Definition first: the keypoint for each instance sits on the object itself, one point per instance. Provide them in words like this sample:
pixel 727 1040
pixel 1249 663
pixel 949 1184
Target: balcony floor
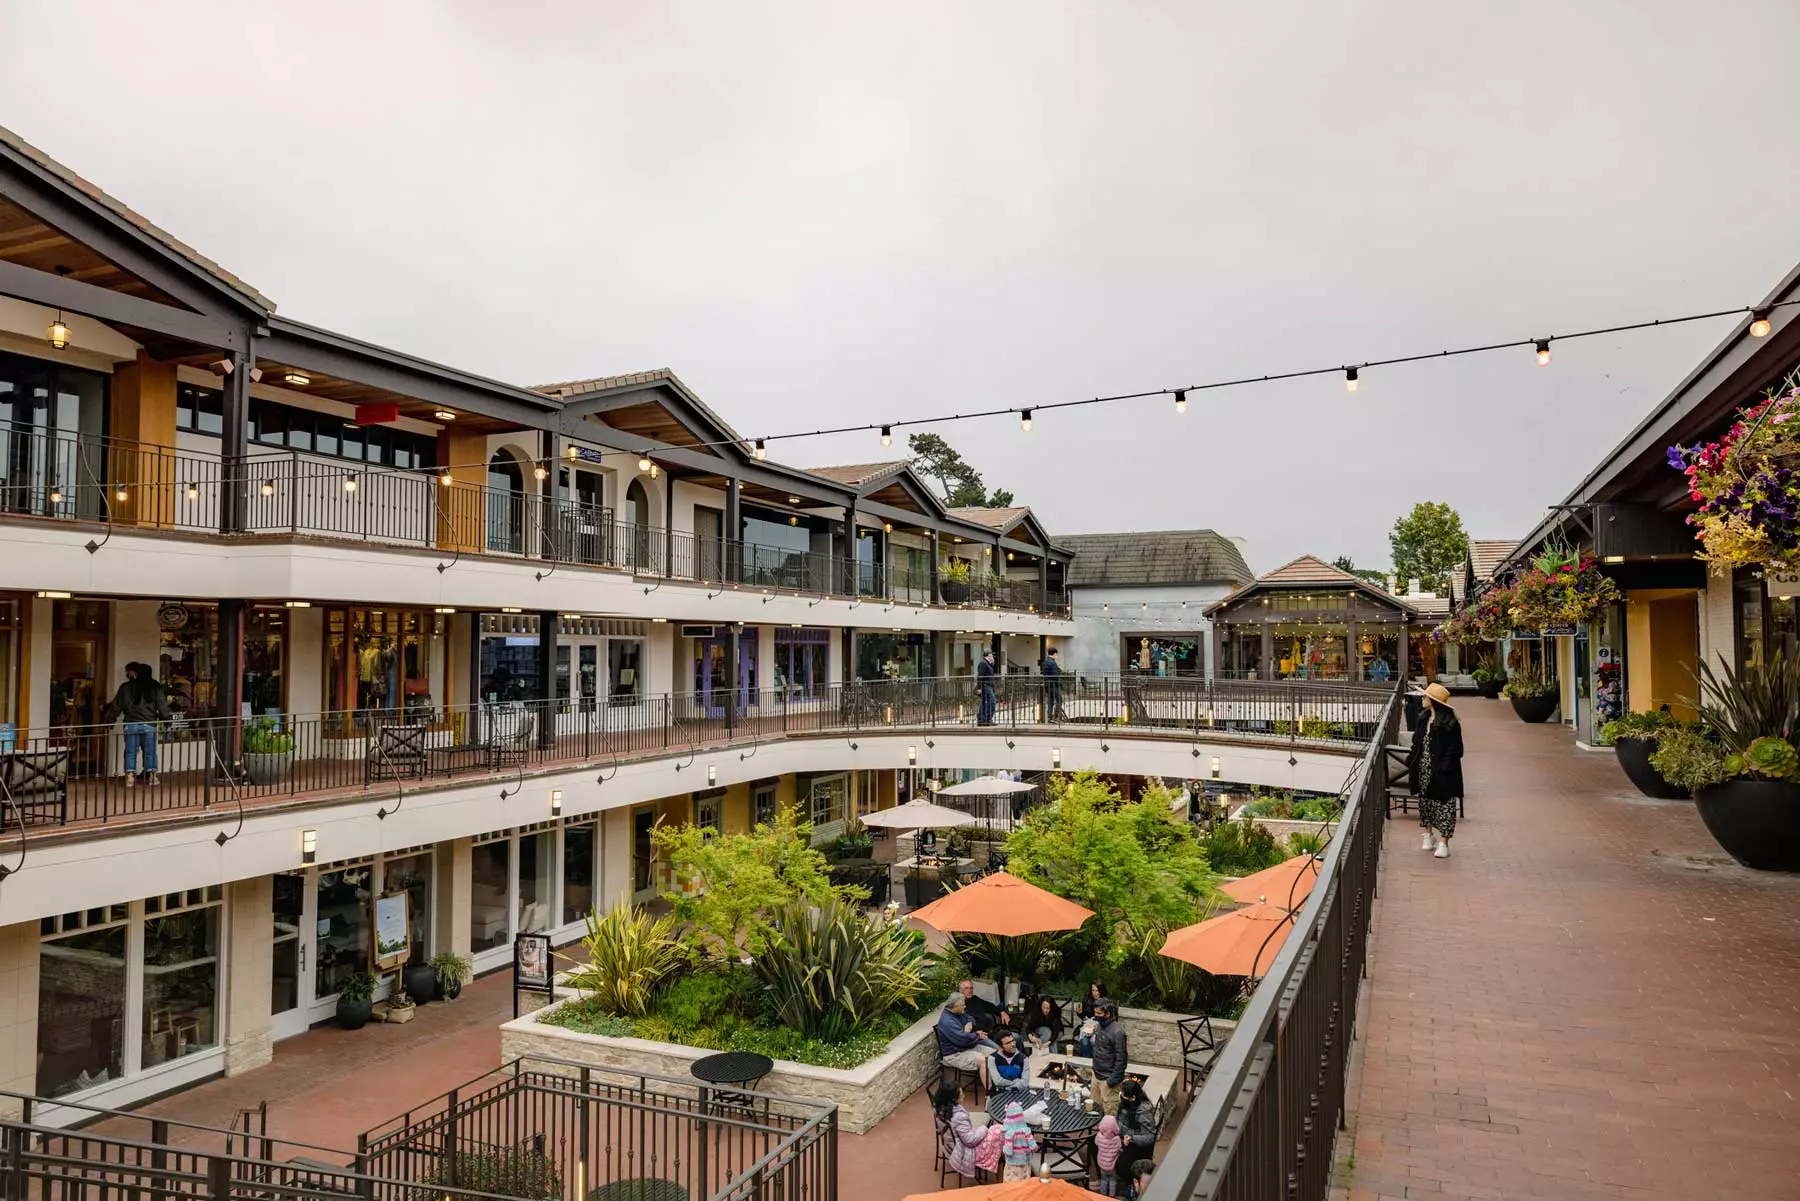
pixel 1588 999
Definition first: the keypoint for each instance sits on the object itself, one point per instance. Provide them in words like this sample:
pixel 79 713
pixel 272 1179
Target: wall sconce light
pixel 59 331
pixel 912 756
pixel 309 846
pixel 712 774
pixel 556 802
pixel 1055 758
pixel 1215 767
pixel 298 604
pixel 443 609
pixel 350 482
pixel 268 487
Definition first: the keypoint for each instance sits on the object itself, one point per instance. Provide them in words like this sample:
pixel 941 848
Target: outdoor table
pixel 1067 1143
pixel 446 759
pixel 642 1188
pixel 742 1069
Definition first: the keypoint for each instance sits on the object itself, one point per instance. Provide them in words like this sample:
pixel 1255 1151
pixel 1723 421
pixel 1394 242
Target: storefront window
pixel 265 635
pixel 284 970
pixel 81 1001
pixel 828 796
pixel 1310 652
pixel 802 663
pixel 536 868
pixel 181 975
pixel 578 872
pixel 762 805
pixel 490 871
pixel 412 876
pixel 1749 597
pixel 343 927
pixel 624 662
pixel 188 642
pixel 9 671
pixel 1380 649
pixel 1784 626
pixel 1154 655
pixel 893 656
pixel 380 662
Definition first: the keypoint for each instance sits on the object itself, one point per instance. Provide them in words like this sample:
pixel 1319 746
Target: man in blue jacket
pixel 960 1045
pixel 1053 710
pixel 984 679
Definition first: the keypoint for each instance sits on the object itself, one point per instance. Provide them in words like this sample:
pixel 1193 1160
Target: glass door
pixel 290 973
pixel 587 675
pixel 341 924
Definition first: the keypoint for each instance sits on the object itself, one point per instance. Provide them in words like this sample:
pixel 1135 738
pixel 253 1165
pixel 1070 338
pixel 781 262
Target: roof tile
pixel 1156 557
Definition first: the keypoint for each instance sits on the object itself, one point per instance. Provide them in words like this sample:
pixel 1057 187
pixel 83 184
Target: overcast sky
pixel 831 212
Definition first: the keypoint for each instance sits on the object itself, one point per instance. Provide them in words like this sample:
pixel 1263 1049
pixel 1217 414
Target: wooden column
pixel 142 425
pixel 462 506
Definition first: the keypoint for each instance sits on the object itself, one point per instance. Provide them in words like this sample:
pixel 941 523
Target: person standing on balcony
pixel 1053 709
pixel 141 702
pixel 1440 770
pixel 984 680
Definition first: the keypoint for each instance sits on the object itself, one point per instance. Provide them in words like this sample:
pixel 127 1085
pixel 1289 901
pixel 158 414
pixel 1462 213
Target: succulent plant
pixel 1772 757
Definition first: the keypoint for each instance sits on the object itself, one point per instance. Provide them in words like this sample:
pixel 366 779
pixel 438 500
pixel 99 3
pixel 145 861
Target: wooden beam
pixel 117 308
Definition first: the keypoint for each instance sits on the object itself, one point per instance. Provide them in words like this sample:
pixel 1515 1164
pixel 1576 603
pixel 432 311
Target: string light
pixel 1543 352
pixel 541 472
pixel 268 487
pixel 1025 421
pixel 444 478
pixel 762 451
pixel 120 494
pixel 350 482
pixel 56 496
pixel 887 435
pixel 1349 379
pixel 644 463
pixel 193 492
pixel 1759 323
pixel 1180 400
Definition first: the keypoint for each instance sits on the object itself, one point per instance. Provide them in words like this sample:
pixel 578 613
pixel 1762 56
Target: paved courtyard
pixel 1587 1000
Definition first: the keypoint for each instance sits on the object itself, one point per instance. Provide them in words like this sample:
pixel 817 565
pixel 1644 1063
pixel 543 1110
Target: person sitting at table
pixel 1087 1013
pixel 959 1045
pixel 956 1129
pixel 1045 1021
pixel 984 1013
pixel 1008 1063
pixel 1137 1127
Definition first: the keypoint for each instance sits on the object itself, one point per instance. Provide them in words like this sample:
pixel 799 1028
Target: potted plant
pixel 1746 485
pixel 1742 763
pixel 355 1005
pixel 953 580
pixel 1489 675
pixel 268 753
pixel 1533 694
pixel 420 981
pixel 452 971
pixel 1634 738
pixel 1560 587
pixel 399 1007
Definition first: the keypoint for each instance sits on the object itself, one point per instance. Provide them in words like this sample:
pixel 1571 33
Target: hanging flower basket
pixel 1747 485
pixel 1560 588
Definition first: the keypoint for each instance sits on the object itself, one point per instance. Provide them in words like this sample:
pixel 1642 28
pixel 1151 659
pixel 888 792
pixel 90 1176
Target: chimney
pixel 1393 584
pixel 1412 587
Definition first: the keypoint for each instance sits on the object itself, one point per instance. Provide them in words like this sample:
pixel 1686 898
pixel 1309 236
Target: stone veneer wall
pixel 863 1095
pixel 1153 1038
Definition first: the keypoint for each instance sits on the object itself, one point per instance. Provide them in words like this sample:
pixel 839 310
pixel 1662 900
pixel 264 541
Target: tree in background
pixel 961 484
pixel 1374 576
pixel 1428 543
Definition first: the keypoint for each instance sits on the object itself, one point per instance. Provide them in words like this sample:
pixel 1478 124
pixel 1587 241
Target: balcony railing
pixel 74 477
pixel 76 774
pixel 1264 1122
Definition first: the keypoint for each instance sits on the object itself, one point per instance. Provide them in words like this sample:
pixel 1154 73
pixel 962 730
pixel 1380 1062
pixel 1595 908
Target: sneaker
pixel 130 780
pixel 1443 849
pixel 150 779
pixel 1426 843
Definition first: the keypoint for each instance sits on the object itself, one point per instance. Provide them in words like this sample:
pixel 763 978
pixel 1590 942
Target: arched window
pixel 506 504
pixel 637 515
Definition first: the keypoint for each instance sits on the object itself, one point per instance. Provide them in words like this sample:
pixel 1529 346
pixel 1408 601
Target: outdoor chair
pixel 1199 1050
pixel 509 748
pixel 948 1073
pixel 38 784
pixel 398 752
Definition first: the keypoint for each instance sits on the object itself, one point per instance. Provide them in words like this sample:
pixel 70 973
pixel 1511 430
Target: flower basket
pixel 1560 588
pixel 1747 485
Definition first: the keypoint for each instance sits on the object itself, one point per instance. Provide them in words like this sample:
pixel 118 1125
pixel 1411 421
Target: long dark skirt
pixel 1439 815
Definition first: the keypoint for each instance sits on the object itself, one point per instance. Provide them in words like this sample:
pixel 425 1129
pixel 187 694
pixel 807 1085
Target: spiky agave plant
pixel 1760 701
pixel 629 955
pixel 830 971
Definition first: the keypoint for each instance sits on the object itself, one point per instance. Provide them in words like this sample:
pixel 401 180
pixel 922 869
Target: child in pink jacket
pixel 987 1153
pixel 1107 1144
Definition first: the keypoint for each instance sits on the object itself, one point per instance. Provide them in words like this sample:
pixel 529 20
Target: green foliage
pixel 1687 757
pixel 1762 700
pixel 953 570
pixel 629 955
pixel 1284 806
pixel 1489 670
pixel 1239 848
pixel 1529 682
pixel 697 999
pixel 1313 726
pixel 451 969
pixel 1372 575
pixel 1651 724
pixel 522 1172
pixel 358 987
pixel 1307 842
pixel 262 738
pixel 830 971
pixel 729 886
pixel 1769 757
pixel 1429 544
pixel 1133 863
pixel 962 486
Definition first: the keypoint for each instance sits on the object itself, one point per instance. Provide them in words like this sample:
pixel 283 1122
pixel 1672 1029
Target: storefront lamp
pixel 1056 758
pixel 1215 767
pixel 912 756
pixel 59 331
pixel 712 774
pixel 309 846
pixel 556 802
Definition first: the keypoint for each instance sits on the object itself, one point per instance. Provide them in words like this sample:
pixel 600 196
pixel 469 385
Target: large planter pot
pixel 1634 756
pixel 1534 709
pixel 421 982
pixel 1756 821
pixel 354 1015
pixel 953 592
pixel 1489 688
pixel 268 769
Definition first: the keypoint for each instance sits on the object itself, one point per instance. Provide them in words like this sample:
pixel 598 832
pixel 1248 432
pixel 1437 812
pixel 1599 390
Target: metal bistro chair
pixel 1199 1051
pixel 398 752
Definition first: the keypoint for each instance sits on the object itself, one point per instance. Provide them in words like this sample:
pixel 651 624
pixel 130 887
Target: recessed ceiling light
pixel 444 415
pixel 296 379
pixel 793 500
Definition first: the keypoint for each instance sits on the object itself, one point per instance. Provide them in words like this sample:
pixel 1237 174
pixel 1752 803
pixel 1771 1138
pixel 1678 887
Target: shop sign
pixel 1566 630
pixel 1526 635
pixel 531 966
pixel 1784 583
pixel 587 454
pixel 172 617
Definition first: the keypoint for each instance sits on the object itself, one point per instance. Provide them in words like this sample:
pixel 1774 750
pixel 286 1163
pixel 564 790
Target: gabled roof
pixel 576 387
pixel 859 475
pixel 1486 555
pixel 993 519
pixel 1310 571
pixel 118 209
pixel 1157 557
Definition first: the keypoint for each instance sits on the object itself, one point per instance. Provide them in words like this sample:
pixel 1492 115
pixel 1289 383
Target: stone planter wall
pixel 1282 827
pixel 1153 1038
pixel 863 1095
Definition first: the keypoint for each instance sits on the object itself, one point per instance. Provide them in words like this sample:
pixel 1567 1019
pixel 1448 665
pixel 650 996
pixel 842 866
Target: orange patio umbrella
pixel 1243 942
pixel 1035 1189
pixel 1285 885
pixel 1004 906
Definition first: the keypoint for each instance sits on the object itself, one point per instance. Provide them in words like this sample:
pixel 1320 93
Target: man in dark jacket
pixel 141 703
pixel 1053 710
pixel 1109 1057
pixel 984 680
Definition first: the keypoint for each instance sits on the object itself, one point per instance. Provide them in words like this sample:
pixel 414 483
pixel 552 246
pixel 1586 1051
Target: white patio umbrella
pixel 916 815
pixel 989 787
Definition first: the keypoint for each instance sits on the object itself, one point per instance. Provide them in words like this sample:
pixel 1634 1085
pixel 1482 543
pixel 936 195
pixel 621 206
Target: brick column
pixel 450 894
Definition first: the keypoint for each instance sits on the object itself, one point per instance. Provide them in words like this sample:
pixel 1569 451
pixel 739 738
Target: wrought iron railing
pixel 77 774
pixel 1264 1122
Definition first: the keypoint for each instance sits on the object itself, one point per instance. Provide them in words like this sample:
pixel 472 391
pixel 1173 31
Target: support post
pixel 731 556
pixel 234 446
pixel 549 624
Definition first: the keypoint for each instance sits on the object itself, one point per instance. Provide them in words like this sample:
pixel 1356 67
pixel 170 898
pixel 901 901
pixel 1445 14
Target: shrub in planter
pixel 1634 737
pixel 356 1000
pixel 953 580
pixel 1533 694
pixel 268 753
pixel 452 972
pixel 1490 676
pixel 630 954
pixel 830 971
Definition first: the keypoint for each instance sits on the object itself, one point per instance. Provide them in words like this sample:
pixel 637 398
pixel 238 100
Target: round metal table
pixel 737 1071
pixel 644 1188
pixel 1067 1143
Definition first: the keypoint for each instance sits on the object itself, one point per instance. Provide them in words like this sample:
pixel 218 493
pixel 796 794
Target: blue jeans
pixel 140 736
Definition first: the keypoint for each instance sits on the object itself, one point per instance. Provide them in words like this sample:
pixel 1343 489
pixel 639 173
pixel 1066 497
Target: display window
pixel 380 663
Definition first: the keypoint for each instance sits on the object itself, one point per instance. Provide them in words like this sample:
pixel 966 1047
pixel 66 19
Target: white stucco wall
pixel 1102 614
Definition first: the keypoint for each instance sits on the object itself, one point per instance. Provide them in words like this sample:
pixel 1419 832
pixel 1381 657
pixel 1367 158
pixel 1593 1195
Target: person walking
pixel 141 703
pixel 1109 1057
pixel 1053 705
pixel 1440 770
pixel 984 681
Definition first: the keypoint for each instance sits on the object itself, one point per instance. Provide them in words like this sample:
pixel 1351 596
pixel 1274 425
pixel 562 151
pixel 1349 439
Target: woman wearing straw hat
pixel 1440 769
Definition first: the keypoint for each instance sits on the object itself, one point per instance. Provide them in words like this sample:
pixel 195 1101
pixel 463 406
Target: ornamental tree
pixel 1428 544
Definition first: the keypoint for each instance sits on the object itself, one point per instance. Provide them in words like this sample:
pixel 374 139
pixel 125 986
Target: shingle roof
pixel 1159 557
pixel 858 474
pixel 1428 606
pixel 1308 569
pixel 137 220
pixel 1486 554
pixel 576 387
pixel 993 519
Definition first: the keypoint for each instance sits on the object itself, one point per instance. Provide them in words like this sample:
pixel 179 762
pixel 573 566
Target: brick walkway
pixel 1587 1000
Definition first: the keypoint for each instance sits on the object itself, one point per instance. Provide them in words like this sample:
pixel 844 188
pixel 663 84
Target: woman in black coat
pixel 1439 771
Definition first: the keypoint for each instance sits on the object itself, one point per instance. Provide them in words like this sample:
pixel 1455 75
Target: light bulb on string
pixel 1025 421
pixel 762 451
pixel 887 435
pixel 1759 323
pixel 1349 379
pixel 1543 352
pixel 1181 400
